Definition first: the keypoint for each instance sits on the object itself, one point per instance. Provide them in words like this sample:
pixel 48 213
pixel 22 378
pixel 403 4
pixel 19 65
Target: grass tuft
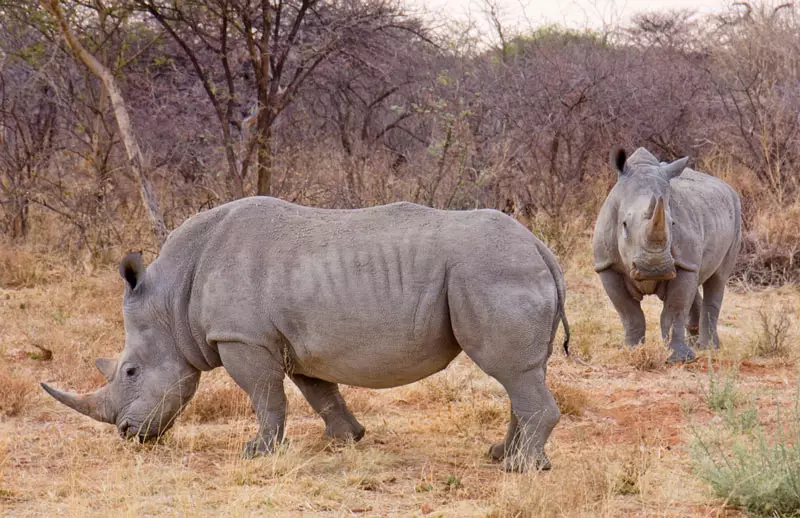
pixel 15 393
pixel 634 466
pixel 649 356
pixel 773 334
pixel 721 393
pixel 571 400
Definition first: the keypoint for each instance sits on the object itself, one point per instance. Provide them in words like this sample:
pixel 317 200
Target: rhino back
pixel 707 215
pixel 356 296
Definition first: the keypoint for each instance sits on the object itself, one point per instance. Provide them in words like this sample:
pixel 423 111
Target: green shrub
pixel 749 469
pixel 721 394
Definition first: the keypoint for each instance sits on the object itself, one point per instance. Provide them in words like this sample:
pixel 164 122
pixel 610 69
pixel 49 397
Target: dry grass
pixel 772 337
pixel 571 400
pixel 771 250
pixel 15 392
pixel 621 448
pixel 649 356
pixel 217 401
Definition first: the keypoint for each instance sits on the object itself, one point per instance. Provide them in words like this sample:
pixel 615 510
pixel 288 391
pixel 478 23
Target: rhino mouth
pixel 132 432
pixel 662 274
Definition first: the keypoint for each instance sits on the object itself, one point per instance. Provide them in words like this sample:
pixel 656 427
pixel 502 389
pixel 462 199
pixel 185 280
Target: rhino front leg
pixel 714 290
pixel 325 398
pixel 681 293
pixel 628 308
pixel 257 373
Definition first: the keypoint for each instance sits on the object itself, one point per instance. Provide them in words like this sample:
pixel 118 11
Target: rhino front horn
pixel 94 405
pixel 658 234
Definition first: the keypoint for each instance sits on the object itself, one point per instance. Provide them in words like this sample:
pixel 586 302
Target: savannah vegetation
pixel 356 103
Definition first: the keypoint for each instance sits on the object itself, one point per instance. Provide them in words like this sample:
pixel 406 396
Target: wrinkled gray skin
pixel 376 297
pixel 665 230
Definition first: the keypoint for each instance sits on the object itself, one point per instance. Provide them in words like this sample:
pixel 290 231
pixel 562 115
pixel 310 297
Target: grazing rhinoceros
pixel 666 229
pixel 375 297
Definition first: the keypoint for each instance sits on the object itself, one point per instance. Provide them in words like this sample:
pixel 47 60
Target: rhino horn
pixel 95 405
pixel 658 228
pixel 651 207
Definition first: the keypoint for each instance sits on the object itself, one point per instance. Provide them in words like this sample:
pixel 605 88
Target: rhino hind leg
pixel 508 334
pixel 714 290
pixel 693 328
pixel 497 451
pixel 325 398
pixel 534 415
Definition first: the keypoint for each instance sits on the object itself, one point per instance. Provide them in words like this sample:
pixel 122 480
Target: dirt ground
pixel 621 449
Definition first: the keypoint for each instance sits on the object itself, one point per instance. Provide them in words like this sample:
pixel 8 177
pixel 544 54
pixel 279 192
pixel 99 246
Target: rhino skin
pixel 376 297
pixel 666 229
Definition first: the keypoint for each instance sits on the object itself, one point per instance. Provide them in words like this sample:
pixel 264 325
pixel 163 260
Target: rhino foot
pixel 345 432
pixel 706 346
pixel 258 447
pixel 681 354
pixel 517 464
pixel 497 451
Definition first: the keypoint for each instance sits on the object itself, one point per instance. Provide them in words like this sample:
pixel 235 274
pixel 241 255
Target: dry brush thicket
pixel 357 103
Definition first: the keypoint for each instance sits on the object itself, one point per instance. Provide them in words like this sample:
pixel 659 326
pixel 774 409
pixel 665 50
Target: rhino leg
pixel 535 414
pixel 258 374
pixel 680 295
pixel 693 329
pixel 628 308
pixel 324 397
pixel 497 451
pixel 714 290
pixel 507 332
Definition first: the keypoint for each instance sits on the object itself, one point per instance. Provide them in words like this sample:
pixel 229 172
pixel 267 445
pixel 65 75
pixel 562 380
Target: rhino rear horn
pixel 674 169
pixel 95 405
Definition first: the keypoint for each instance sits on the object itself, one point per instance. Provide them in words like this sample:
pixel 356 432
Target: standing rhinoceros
pixel 666 229
pixel 375 297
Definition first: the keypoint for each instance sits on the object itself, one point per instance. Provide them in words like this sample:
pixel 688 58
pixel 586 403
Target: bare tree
pixel 135 157
pixel 286 42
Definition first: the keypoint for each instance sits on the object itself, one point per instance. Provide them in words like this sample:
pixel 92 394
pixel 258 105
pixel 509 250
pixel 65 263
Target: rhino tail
pixel 561 293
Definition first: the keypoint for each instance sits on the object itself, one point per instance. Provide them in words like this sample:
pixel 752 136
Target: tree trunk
pixel 19 222
pixel 135 158
pixel 264 160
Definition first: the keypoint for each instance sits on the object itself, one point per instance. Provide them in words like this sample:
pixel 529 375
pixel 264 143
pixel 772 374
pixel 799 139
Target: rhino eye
pixel 625 225
pixel 130 372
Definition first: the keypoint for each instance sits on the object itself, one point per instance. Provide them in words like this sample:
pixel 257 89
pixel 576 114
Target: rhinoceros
pixel 376 297
pixel 666 229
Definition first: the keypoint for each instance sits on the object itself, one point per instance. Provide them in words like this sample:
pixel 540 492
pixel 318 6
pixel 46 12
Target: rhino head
pixel 151 382
pixel 644 223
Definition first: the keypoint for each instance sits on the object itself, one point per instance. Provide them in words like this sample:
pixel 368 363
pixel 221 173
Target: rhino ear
pixel 131 269
pixel 107 366
pixel 617 159
pixel 674 169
